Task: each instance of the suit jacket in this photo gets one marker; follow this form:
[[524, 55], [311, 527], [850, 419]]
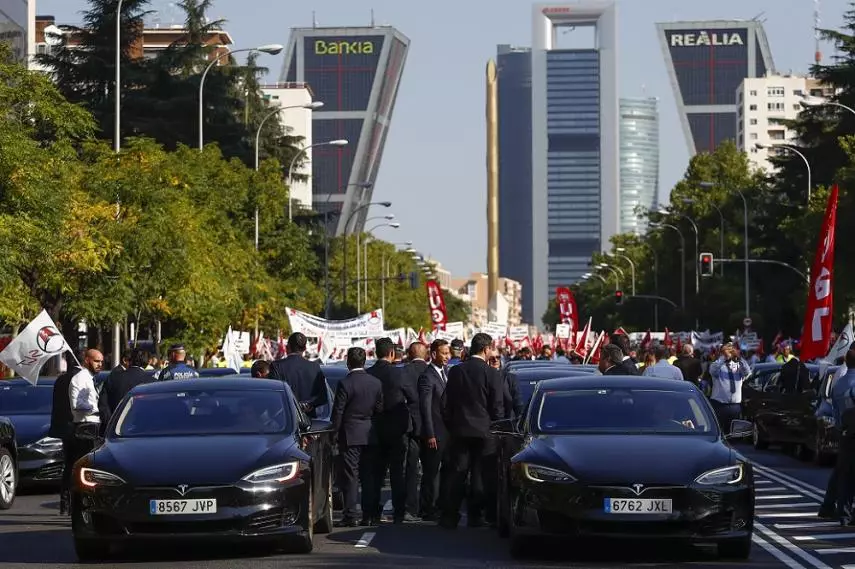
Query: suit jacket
[[397, 398], [511, 396], [61, 418], [120, 383], [431, 392], [358, 401], [691, 368], [412, 372], [474, 398], [304, 377], [626, 367]]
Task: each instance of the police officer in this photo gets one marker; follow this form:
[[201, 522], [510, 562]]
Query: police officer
[[177, 368]]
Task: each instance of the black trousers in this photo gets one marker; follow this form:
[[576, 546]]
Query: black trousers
[[356, 463], [726, 412], [411, 476], [490, 478], [73, 450], [466, 457], [433, 477], [391, 457]]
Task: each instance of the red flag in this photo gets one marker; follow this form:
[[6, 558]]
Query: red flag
[[594, 358], [816, 333], [778, 339], [621, 331], [645, 342], [581, 348], [667, 342], [761, 349], [567, 308], [436, 305], [679, 344]]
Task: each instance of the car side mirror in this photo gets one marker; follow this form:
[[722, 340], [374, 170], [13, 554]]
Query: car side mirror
[[319, 426], [504, 427], [740, 429], [87, 431]]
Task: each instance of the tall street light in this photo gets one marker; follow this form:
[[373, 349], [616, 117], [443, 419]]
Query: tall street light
[[338, 142], [328, 295], [617, 276], [311, 106], [346, 229], [721, 224], [365, 246], [811, 101], [619, 254], [364, 270], [745, 247], [117, 147], [655, 281], [794, 150], [697, 249], [682, 260], [271, 49]]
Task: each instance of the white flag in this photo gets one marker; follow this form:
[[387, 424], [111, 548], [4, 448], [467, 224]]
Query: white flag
[[841, 346], [231, 352], [40, 341]]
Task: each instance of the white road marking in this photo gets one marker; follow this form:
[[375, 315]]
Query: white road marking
[[786, 515], [777, 496], [832, 551], [771, 489], [824, 536], [793, 549], [784, 478], [365, 540], [788, 506], [762, 482], [777, 553], [808, 525]]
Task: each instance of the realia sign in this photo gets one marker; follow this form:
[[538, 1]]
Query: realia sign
[[707, 39]]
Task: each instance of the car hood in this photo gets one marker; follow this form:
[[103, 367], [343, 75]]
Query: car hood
[[30, 428], [200, 460], [630, 459]]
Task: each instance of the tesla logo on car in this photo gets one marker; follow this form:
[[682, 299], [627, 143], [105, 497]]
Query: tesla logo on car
[[182, 489], [638, 489]]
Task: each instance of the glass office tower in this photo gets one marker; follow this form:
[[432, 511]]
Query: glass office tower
[[639, 161]]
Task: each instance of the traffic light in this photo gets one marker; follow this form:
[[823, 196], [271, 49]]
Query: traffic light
[[707, 269], [619, 297]]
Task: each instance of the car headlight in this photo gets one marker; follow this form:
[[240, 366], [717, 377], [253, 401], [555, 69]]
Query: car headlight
[[726, 475], [278, 473], [46, 445], [543, 474], [90, 478]]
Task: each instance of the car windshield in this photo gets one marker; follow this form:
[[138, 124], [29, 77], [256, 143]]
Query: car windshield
[[211, 412], [630, 411], [19, 400]]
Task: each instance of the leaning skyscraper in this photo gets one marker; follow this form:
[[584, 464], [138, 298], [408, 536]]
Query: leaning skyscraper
[[706, 62], [355, 72]]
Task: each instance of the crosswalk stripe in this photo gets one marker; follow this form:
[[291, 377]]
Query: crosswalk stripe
[[787, 515], [778, 496], [835, 550], [772, 489], [807, 525], [824, 536], [794, 505]]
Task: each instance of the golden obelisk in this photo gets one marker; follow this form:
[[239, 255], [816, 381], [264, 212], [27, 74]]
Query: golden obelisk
[[492, 181]]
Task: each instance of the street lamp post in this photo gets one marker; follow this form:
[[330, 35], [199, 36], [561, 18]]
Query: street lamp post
[[721, 225], [655, 282], [365, 247], [682, 261], [628, 260], [271, 49], [389, 218], [617, 276], [117, 147], [346, 229], [794, 151], [339, 142], [311, 106], [745, 243]]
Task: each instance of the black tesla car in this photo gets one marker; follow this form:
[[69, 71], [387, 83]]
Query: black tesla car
[[623, 457], [213, 459], [29, 407]]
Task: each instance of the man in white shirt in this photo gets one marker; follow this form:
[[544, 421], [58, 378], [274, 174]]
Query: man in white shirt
[[82, 393], [727, 374]]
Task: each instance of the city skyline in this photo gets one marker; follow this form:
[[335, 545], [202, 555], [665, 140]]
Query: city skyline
[[435, 150]]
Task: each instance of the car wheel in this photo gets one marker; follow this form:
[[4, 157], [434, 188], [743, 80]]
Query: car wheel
[[304, 542], [90, 550], [325, 524], [735, 548], [759, 442], [8, 479]]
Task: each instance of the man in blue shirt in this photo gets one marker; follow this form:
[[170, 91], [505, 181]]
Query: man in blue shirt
[[726, 376], [177, 368], [662, 368]]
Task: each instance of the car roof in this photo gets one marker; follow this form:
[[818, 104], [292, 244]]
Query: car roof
[[220, 383], [588, 381], [547, 373]]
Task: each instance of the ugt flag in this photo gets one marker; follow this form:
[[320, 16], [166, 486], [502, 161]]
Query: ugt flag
[[40, 341], [816, 335], [841, 346]]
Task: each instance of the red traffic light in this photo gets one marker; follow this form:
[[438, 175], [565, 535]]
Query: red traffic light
[[619, 296], [706, 262]]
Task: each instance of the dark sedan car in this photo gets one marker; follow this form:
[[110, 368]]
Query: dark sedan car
[[528, 377], [29, 407], [212, 459], [623, 457], [8, 464]]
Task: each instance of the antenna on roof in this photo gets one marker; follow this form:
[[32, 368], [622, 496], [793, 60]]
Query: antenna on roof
[[372, 17], [817, 56], [314, 20]]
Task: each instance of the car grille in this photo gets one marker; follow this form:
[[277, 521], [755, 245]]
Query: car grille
[[264, 521], [189, 527], [49, 472], [556, 523]]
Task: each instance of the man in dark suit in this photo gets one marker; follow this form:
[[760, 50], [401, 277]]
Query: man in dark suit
[[416, 365], [120, 384], [610, 360], [394, 428], [62, 425], [627, 366], [305, 377], [432, 384], [358, 401], [689, 365], [473, 401]]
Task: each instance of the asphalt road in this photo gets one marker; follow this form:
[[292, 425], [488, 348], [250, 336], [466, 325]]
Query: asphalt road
[[787, 534]]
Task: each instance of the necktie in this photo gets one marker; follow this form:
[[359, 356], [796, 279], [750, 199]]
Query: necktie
[[444, 377], [732, 379]]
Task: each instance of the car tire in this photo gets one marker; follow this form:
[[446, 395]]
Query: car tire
[[90, 550], [303, 542], [8, 479], [735, 548], [757, 439], [325, 524]]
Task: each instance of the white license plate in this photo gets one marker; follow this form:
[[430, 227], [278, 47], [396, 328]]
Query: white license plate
[[182, 507], [637, 506]]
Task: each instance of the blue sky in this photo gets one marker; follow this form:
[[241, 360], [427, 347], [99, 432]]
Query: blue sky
[[433, 167]]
